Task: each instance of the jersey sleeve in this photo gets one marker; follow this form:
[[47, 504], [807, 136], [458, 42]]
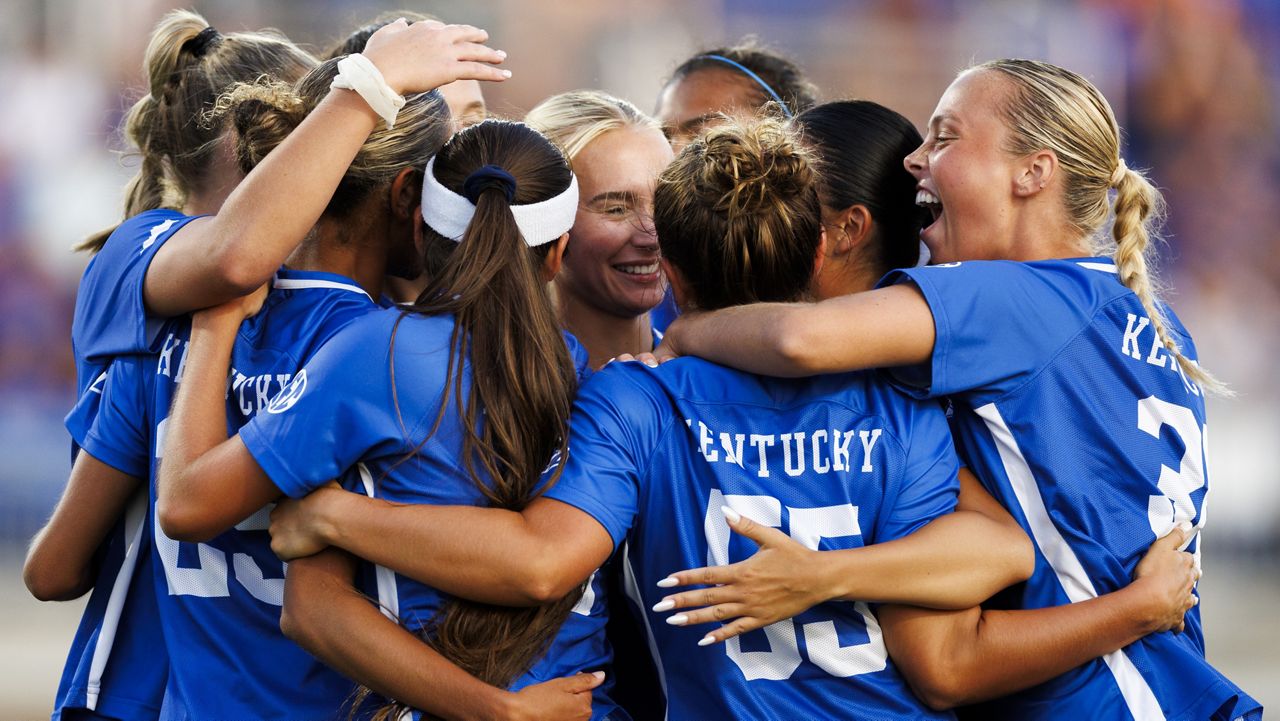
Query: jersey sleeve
[[111, 317], [120, 434], [930, 485], [613, 433], [336, 410], [997, 323]]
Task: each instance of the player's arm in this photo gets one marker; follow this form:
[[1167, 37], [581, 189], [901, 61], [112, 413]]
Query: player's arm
[[954, 562], [60, 561], [211, 260], [484, 554], [328, 617], [886, 327], [207, 482], [951, 658]]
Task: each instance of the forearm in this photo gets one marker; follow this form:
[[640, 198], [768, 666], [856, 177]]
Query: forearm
[[332, 621], [955, 562], [484, 554], [268, 214], [985, 654]]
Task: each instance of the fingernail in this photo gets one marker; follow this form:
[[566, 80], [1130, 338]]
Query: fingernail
[[400, 20], [730, 514], [664, 605], [669, 582], [707, 640], [1185, 526], [651, 363], [502, 54], [598, 674], [678, 620], [506, 73]]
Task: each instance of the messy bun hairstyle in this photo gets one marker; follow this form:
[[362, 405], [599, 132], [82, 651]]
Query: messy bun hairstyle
[[264, 113], [737, 214]]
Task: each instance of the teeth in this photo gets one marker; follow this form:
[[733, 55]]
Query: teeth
[[924, 197], [638, 269]]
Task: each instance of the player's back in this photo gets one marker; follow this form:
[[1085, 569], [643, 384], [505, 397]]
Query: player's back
[[836, 462]]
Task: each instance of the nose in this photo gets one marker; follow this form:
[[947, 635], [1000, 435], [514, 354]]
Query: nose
[[915, 161]]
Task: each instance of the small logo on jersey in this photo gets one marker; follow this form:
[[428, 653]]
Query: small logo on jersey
[[98, 383], [156, 232], [286, 398], [946, 265]]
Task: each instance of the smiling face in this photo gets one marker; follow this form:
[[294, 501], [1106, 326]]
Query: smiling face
[[964, 174], [690, 104], [612, 258]]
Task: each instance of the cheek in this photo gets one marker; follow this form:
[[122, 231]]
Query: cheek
[[591, 247]]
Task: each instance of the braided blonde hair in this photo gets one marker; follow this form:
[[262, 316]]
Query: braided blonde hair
[[1052, 107]]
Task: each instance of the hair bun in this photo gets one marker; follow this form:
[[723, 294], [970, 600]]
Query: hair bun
[[755, 165]]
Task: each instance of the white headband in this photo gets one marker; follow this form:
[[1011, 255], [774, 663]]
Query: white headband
[[448, 213]]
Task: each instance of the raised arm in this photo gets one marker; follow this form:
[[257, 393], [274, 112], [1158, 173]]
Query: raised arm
[[60, 561], [484, 554], [961, 657], [212, 260], [956, 561], [886, 327], [328, 617], [206, 482]]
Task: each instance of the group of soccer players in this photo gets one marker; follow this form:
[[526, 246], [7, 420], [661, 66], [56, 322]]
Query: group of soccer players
[[910, 430]]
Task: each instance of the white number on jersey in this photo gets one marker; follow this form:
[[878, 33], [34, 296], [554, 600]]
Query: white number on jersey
[[808, 527], [209, 579], [1174, 505]]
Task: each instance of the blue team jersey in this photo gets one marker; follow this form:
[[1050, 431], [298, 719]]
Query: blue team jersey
[[1062, 391], [346, 420], [113, 667], [836, 462], [220, 601]]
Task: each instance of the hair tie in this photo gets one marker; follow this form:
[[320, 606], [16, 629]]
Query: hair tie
[[486, 177], [200, 44], [759, 80], [1119, 173], [449, 213]]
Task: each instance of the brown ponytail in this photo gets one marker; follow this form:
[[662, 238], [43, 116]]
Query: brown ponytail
[[521, 376], [187, 65]]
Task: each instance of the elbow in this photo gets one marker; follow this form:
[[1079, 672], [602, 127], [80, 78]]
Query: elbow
[[545, 582], [53, 581], [938, 688], [797, 349], [1021, 554], [184, 521]]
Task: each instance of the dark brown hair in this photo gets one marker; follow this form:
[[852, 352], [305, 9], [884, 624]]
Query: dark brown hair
[[510, 379], [737, 213], [782, 74], [188, 64]]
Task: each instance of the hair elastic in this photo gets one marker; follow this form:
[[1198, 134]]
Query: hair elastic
[[489, 176], [1118, 175], [449, 214], [759, 80], [203, 40]]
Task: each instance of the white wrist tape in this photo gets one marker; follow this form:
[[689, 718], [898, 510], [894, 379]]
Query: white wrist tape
[[358, 73]]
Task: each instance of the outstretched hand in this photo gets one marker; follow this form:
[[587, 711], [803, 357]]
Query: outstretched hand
[[780, 581], [425, 55], [1169, 575], [562, 698]]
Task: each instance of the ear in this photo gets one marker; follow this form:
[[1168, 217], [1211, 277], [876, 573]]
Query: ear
[[820, 255], [846, 230], [555, 258], [406, 193], [1035, 173], [679, 287]]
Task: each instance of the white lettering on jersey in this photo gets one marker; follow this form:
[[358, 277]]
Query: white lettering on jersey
[[1158, 356], [156, 232], [823, 450]]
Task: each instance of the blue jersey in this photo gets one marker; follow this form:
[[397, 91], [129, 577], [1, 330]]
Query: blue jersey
[[1061, 390], [220, 601], [663, 314], [347, 420], [112, 667], [837, 462]]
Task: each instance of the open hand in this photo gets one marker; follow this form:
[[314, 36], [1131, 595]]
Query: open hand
[[425, 55], [778, 582]]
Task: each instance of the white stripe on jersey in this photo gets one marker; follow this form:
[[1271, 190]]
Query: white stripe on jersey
[[1137, 693], [388, 596], [299, 283], [632, 590], [135, 515], [1104, 267]]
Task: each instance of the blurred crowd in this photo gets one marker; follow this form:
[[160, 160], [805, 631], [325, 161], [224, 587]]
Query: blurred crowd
[[1196, 84]]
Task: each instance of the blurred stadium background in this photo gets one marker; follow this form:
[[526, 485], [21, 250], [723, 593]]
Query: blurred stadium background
[[1196, 84]]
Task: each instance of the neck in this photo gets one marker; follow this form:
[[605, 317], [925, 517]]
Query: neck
[[1041, 232], [336, 247], [604, 335], [219, 179]]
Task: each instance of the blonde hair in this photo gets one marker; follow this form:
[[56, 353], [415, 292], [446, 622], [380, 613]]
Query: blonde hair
[[187, 65], [264, 113], [574, 119], [1054, 108], [738, 213]]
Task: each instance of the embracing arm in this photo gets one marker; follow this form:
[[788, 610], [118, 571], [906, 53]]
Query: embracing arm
[[885, 327], [206, 482], [484, 554], [956, 561], [211, 260], [952, 658], [59, 565], [328, 617]]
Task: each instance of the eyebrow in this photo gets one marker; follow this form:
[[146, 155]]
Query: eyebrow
[[692, 124], [939, 119], [474, 106], [624, 195]]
